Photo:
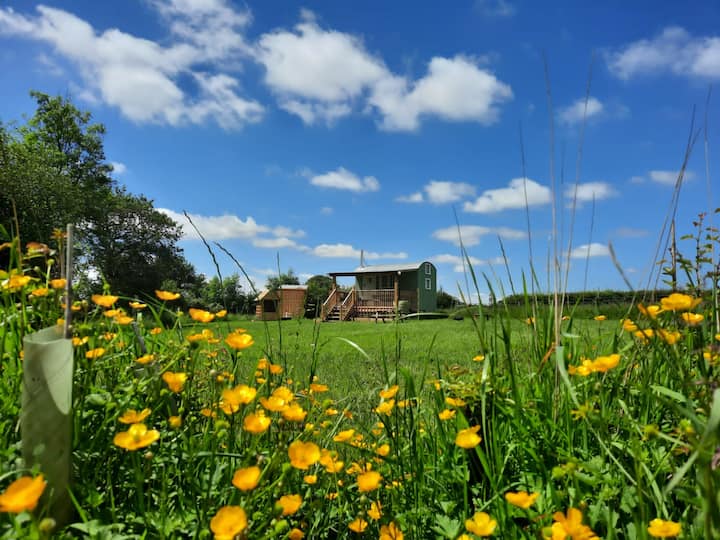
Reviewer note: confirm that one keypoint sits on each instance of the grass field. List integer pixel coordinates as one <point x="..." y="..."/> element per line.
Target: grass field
<point x="451" y="429"/>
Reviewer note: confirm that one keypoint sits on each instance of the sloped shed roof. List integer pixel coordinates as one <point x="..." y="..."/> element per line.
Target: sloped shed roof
<point x="381" y="268"/>
<point x="265" y="292"/>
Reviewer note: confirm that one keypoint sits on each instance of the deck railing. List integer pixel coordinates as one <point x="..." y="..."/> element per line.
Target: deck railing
<point x="347" y="305"/>
<point x="329" y="303"/>
<point x="368" y="299"/>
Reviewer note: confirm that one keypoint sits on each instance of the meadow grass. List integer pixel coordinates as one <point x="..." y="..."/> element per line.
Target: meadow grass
<point x="184" y="428"/>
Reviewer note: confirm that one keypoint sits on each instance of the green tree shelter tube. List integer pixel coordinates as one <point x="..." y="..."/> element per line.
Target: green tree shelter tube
<point x="46" y="416"/>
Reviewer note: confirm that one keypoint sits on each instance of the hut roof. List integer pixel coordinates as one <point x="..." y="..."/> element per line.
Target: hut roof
<point x="381" y="268"/>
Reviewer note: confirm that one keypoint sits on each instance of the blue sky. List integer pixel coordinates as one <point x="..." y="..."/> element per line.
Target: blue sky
<point x="310" y="131"/>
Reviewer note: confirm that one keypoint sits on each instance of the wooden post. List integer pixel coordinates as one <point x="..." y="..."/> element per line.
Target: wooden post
<point x="397" y="291"/>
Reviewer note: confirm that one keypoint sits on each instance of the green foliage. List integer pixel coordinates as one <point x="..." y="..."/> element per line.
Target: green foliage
<point x="275" y="282"/>
<point x="53" y="173"/>
<point x="318" y="289"/>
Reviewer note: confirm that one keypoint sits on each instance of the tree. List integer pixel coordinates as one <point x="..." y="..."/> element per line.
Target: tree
<point x="53" y="172"/>
<point x="229" y="295"/>
<point x="445" y="300"/>
<point x="318" y="289"/>
<point x="275" y="282"/>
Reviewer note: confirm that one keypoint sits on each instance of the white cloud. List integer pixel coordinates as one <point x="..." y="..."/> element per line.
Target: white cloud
<point x="142" y="77"/>
<point x="274" y="243"/>
<point x="669" y="178"/>
<point x="495" y="8"/>
<point x="460" y="263"/>
<point x="317" y="73"/>
<point x="326" y="211"/>
<point x="344" y="179"/>
<point x="346" y="251"/>
<point x="637" y="179"/>
<point x="118" y="168"/>
<point x="519" y="193"/>
<point x="590" y="250"/>
<point x="589" y="191"/>
<point x="472" y="234"/>
<point x="674" y="50"/>
<point x="580" y="110"/>
<point x="230" y="226"/>
<point x="447" y="192"/>
<point x="454" y="89"/>
<point x="413" y="198"/>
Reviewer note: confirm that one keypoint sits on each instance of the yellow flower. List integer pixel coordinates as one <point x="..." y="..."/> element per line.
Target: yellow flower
<point x="318" y="388"/>
<point x="239" y="341"/>
<point x="77" y="341"/>
<point x="273" y="403"/>
<point x="58" y="283"/>
<point x="232" y="398"/>
<point x="358" y="525"/>
<point x="671" y="337"/>
<point x="131" y="416"/>
<point x="344" y="436"/>
<point x="40" y="291"/>
<point x="481" y="524"/>
<point x="175" y="381"/>
<point x="137" y="436"/>
<point x="145" y="359"/>
<point x="155" y="331"/>
<point x="600" y="317"/>
<point x="645" y="334"/>
<point x="447" y="414"/>
<point x="330" y="461"/>
<point x="385" y="407"/>
<point x="137" y="305"/>
<point x="296" y="534"/>
<point x="228" y="522"/>
<point x="220" y="314"/>
<point x="294" y="413"/>
<point x="375" y="511"/>
<point x="468" y="438"/>
<point x="454" y="402"/>
<point x="521" y="499"/>
<point x="256" y="423"/>
<point x="679" y="302"/>
<point x="123" y="319"/>
<point x="692" y="319"/>
<point x="604" y="363"/>
<point x="289" y="504"/>
<point x="649" y="311"/>
<point x="92" y="354"/>
<point x="104" y="300"/>
<point x="246" y="479"/>
<point x="629" y="326"/>
<point x="175" y="421"/>
<point x="390" y="392"/>
<point x="200" y="315"/>
<point x="368" y="481"/>
<point x="310" y="479"/>
<point x="664" y="529"/>
<point x="391" y="532"/>
<point x="167" y="295"/>
<point x="383" y="450"/>
<point x="112" y="313"/>
<point x="303" y="454"/>
<point x="22" y="494"/>
<point x="479" y="358"/>
<point x="15" y="282"/>
<point x="570" y="524"/>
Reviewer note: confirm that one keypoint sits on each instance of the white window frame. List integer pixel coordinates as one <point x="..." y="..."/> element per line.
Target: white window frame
<point x="428" y="284"/>
<point x="428" y="269"/>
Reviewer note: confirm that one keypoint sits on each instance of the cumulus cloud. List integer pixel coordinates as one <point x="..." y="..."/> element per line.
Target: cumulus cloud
<point x="454" y="89"/>
<point x="630" y="232"/>
<point x="229" y="226"/>
<point x="447" y="192"/>
<point x="673" y="50"/>
<point x="580" y="110"/>
<point x="347" y="251"/>
<point x="118" y="168"/>
<point x="472" y="234"/>
<point x="590" y="191"/>
<point x="669" y="178"/>
<point x="317" y="73"/>
<point x="413" y="198"/>
<point x="519" y="193"/>
<point x="590" y="250"/>
<point x="344" y="179"/>
<point x="460" y="263"/>
<point x="141" y="77"/>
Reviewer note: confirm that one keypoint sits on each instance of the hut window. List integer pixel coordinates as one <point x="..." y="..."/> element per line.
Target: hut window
<point x="428" y="269"/>
<point x="269" y="306"/>
<point x="428" y="283"/>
